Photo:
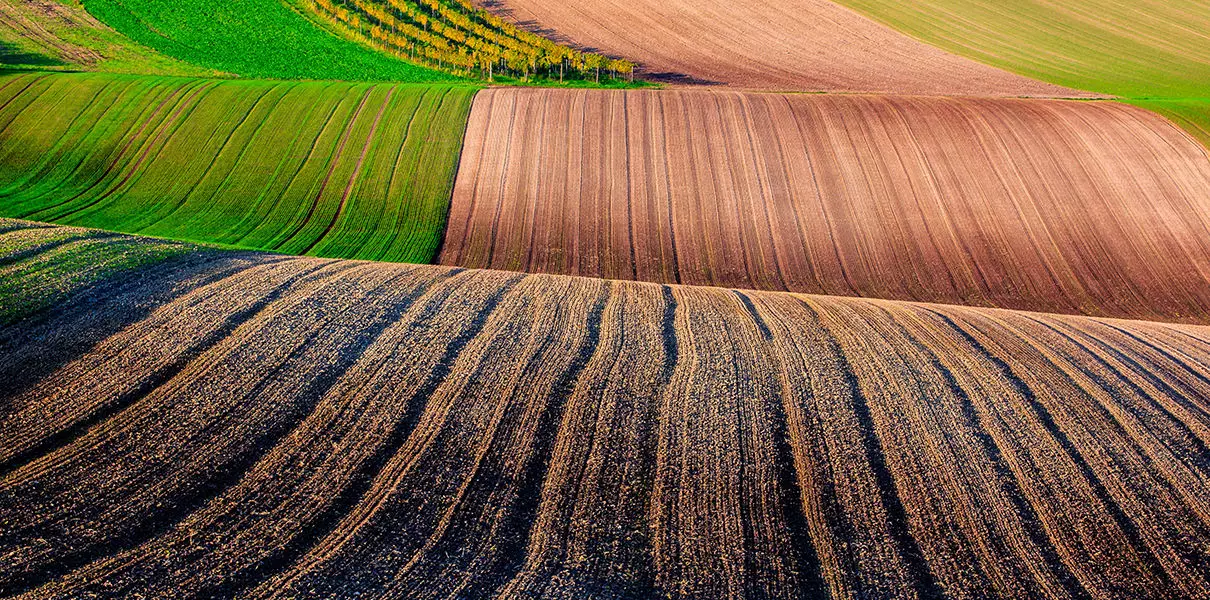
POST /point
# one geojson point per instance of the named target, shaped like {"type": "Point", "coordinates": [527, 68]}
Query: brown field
{"type": "Point", "coordinates": [783, 45]}
{"type": "Point", "coordinates": [263, 426]}
{"type": "Point", "coordinates": [1092, 208]}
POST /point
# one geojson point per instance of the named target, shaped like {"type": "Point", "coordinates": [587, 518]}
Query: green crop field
{"type": "Point", "coordinates": [1129, 48]}
{"type": "Point", "coordinates": [253, 38]}
{"type": "Point", "coordinates": [63, 36]}
{"type": "Point", "coordinates": [318, 168]}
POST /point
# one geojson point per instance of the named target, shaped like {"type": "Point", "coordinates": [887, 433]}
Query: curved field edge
{"type": "Point", "coordinates": [1129, 48]}
{"type": "Point", "coordinates": [320, 168]}
{"type": "Point", "coordinates": [268, 39]}
{"type": "Point", "coordinates": [1058, 206]}
{"type": "Point", "coordinates": [1191, 115]}
{"type": "Point", "coordinates": [265, 426]}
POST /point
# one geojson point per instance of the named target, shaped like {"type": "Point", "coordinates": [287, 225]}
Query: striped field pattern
{"type": "Point", "coordinates": [264, 426]}
{"type": "Point", "coordinates": [321, 168]}
{"type": "Point", "coordinates": [1093, 208]}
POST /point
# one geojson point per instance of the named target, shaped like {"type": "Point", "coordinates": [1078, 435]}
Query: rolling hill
{"type": "Point", "coordinates": [322, 168]}
{"type": "Point", "coordinates": [795, 45]}
{"type": "Point", "coordinates": [1059, 206]}
{"type": "Point", "coordinates": [267, 39]}
{"type": "Point", "coordinates": [262, 426]}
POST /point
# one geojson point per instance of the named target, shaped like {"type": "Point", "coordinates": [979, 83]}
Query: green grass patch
{"type": "Point", "coordinates": [70, 39]}
{"type": "Point", "coordinates": [41, 266]}
{"type": "Point", "coordinates": [1128, 48]}
{"type": "Point", "coordinates": [329, 169]}
{"type": "Point", "coordinates": [253, 38]}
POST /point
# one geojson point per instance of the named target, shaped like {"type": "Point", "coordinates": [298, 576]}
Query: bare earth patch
{"type": "Point", "coordinates": [785, 45]}
{"type": "Point", "coordinates": [1060, 206]}
{"type": "Point", "coordinates": [264, 426]}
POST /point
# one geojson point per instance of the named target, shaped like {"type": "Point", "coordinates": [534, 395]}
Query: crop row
{"type": "Point", "coordinates": [1059, 206]}
{"type": "Point", "coordinates": [267, 426]}
{"type": "Point", "coordinates": [323, 168]}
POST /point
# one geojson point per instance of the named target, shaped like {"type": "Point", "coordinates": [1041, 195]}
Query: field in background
{"type": "Point", "coordinates": [326, 168]}
{"type": "Point", "coordinates": [245, 424]}
{"type": "Point", "coordinates": [1052, 205]}
{"type": "Point", "coordinates": [1131, 48]}
{"type": "Point", "coordinates": [253, 38]}
{"type": "Point", "coordinates": [63, 36]}
{"type": "Point", "coordinates": [820, 46]}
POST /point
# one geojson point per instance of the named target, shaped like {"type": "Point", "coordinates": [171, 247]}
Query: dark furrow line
{"type": "Point", "coordinates": [305, 404]}
{"type": "Point", "coordinates": [1200, 460]}
{"type": "Point", "coordinates": [1044, 416]}
{"type": "Point", "coordinates": [1197, 409]}
{"type": "Point", "coordinates": [222, 477]}
{"type": "Point", "coordinates": [129, 292]}
{"type": "Point", "coordinates": [752, 312]}
{"type": "Point", "coordinates": [239, 583]}
{"type": "Point", "coordinates": [499, 204]}
{"type": "Point", "coordinates": [634, 256]}
{"type": "Point", "coordinates": [1190, 554]}
{"type": "Point", "coordinates": [152, 381]}
{"type": "Point", "coordinates": [676, 261]}
{"type": "Point", "coordinates": [1009, 484]}
{"type": "Point", "coordinates": [638, 559]}
{"type": "Point", "coordinates": [45, 247]}
{"type": "Point", "coordinates": [924, 581]}
{"type": "Point", "coordinates": [335, 161]}
{"type": "Point", "coordinates": [10, 100]}
{"type": "Point", "coordinates": [517, 527]}
{"type": "Point", "coordinates": [365, 149]}
{"type": "Point", "coordinates": [806, 558]}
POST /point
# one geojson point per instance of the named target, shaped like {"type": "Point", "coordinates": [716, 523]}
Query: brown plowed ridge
{"type": "Point", "coordinates": [289, 427]}
{"type": "Point", "coordinates": [782, 45]}
{"type": "Point", "coordinates": [1058, 206]}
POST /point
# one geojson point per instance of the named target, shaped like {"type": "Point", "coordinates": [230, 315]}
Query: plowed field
{"type": "Point", "coordinates": [322, 168]}
{"type": "Point", "coordinates": [266, 426]}
{"type": "Point", "coordinates": [784, 45]}
{"type": "Point", "coordinates": [1058, 206]}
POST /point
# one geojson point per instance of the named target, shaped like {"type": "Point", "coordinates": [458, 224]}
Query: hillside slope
{"type": "Point", "coordinates": [1059, 206]}
{"type": "Point", "coordinates": [324, 168]}
{"type": "Point", "coordinates": [265, 426]}
{"type": "Point", "coordinates": [61, 35]}
{"type": "Point", "coordinates": [268, 39]}
{"type": "Point", "coordinates": [1134, 48]}
{"type": "Point", "coordinates": [782, 45]}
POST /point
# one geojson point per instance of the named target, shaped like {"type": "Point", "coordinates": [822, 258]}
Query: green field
{"type": "Point", "coordinates": [318, 168]}
{"type": "Point", "coordinates": [63, 36]}
{"type": "Point", "coordinates": [1129, 48]}
{"type": "Point", "coordinates": [253, 38]}
{"type": "Point", "coordinates": [41, 266]}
